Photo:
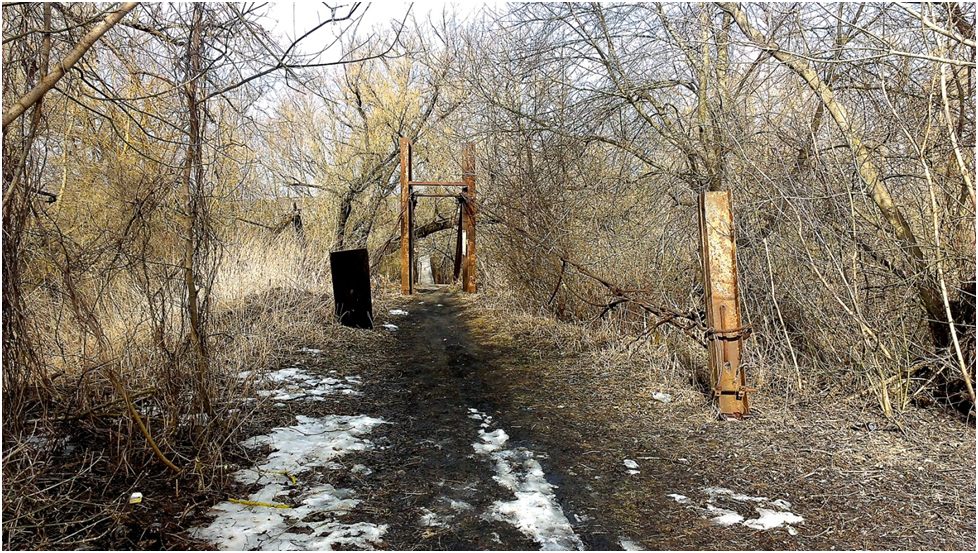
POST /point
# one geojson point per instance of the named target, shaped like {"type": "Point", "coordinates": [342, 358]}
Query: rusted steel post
{"type": "Point", "coordinates": [468, 216]}
{"type": "Point", "coordinates": [719, 257]}
{"type": "Point", "coordinates": [457, 272]}
{"type": "Point", "coordinates": [407, 284]}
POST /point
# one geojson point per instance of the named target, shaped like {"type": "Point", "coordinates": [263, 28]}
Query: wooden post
{"type": "Point", "coordinates": [719, 258]}
{"type": "Point", "coordinates": [407, 282]}
{"type": "Point", "coordinates": [468, 217]}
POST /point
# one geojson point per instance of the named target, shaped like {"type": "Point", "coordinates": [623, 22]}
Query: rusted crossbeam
{"type": "Point", "coordinates": [416, 195]}
{"type": "Point", "coordinates": [435, 183]}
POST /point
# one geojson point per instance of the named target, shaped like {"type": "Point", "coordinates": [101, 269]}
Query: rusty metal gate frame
{"type": "Point", "coordinates": [409, 197]}
{"type": "Point", "coordinates": [718, 253]}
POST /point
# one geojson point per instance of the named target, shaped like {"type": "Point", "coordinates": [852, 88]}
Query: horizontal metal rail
{"type": "Point", "coordinates": [435, 183]}
{"type": "Point", "coordinates": [458, 195]}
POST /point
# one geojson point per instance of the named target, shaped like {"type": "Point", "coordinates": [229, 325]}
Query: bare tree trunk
{"type": "Point", "coordinates": [49, 80]}
{"type": "Point", "coordinates": [193, 176]}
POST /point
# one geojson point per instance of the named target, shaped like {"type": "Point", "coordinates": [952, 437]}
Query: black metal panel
{"type": "Point", "coordinates": [351, 287]}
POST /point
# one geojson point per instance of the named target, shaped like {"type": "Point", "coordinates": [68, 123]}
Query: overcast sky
{"type": "Point", "coordinates": [293, 19]}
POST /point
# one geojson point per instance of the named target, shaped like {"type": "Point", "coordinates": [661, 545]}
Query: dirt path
{"type": "Point", "coordinates": [453, 434]}
{"type": "Point", "coordinates": [432, 486]}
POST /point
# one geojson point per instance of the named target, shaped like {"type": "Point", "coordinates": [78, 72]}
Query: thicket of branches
{"type": "Point", "coordinates": [174, 178]}
{"type": "Point", "coordinates": [845, 132]}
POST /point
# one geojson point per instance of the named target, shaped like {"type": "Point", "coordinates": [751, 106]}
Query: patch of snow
{"type": "Point", "coordinates": [301, 385]}
{"type": "Point", "coordinates": [772, 519]}
{"type": "Point", "coordinates": [459, 506]}
{"type": "Point", "coordinates": [631, 464]}
{"type": "Point", "coordinates": [361, 469]}
{"type": "Point", "coordinates": [535, 511]}
{"type": "Point", "coordinates": [661, 397]}
{"type": "Point", "coordinates": [715, 492]}
{"type": "Point", "coordinates": [389, 326]}
{"type": "Point", "coordinates": [634, 472]}
{"type": "Point", "coordinates": [771, 514]}
{"type": "Point", "coordinates": [398, 312]}
{"type": "Point", "coordinates": [297, 449]}
{"type": "Point", "coordinates": [429, 518]}
{"type": "Point", "coordinates": [493, 441]}
{"type": "Point", "coordinates": [310, 351]}
{"type": "Point", "coordinates": [723, 517]}
{"type": "Point", "coordinates": [629, 545]}
{"type": "Point", "coordinates": [440, 305]}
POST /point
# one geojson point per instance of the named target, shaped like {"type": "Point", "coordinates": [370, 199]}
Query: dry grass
{"type": "Point", "coordinates": [69, 470]}
{"type": "Point", "coordinates": [909, 484]}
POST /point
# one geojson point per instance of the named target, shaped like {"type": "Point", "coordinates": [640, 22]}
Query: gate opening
{"type": "Point", "coordinates": [411, 191]}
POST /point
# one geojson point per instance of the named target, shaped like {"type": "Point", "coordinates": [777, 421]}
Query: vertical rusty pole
{"type": "Point", "coordinates": [468, 216]}
{"type": "Point", "coordinates": [719, 258]}
{"type": "Point", "coordinates": [407, 284]}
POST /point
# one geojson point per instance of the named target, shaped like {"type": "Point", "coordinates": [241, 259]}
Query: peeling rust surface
{"type": "Point", "coordinates": [718, 252]}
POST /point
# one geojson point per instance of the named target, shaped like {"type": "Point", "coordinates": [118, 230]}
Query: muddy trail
{"type": "Point", "coordinates": [434, 489]}
{"type": "Point", "coordinates": [442, 430]}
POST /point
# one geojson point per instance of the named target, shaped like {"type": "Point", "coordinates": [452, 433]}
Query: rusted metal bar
{"type": "Point", "coordinates": [468, 217]}
{"type": "Point", "coordinates": [351, 287]}
{"type": "Point", "coordinates": [457, 270]}
{"type": "Point", "coordinates": [725, 338]}
{"type": "Point", "coordinates": [407, 282]}
{"type": "Point", "coordinates": [416, 195]}
{"type": "Point", "coordinates": [435, 183]}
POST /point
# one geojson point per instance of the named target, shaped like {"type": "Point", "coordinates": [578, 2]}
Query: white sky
{"type": "Point", "coordinates": [293, 19]}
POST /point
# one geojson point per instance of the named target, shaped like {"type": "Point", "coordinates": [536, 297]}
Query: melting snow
{"type": "Point", "coordinates": [493, 441]}
{"type": "Point", "coordinates": [389, 326]}
{"type": "Point", "coordinates": [299, 510]}
{"type": "Point", "coordinates": [535, 511]}
{"type": "Point", "coordinates": [398, 312]}
{"type": "Point", "coordinates": [297, 450]}
{"type": "Point", "coordinates": [723, 517]}
{"type": "Point", "coordinates": [772, 519]}
{"type": "Point", "coordinates": [771, 514]}
{"type": "Point", "coordinates": [629, 545]}
{"type": "Point", "coordinates": [310, 351]}
{"type": "Point", "coordinates": [301, 385]}
{"type": "Point", "coordinates": [715, 492]}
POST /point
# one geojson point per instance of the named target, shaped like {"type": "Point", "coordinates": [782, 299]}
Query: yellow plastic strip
{"type": "Point", "coordinates": [283, 473]}
{"type": "Point", "coordinates": [260, 504]}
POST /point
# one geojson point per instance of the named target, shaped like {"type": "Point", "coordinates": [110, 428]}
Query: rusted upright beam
{"type": "Point", "coordinates": [719, 257]}
{"type": "Point", "coordinates": [468, 217]}
{"type": "Point", "coordinates": [407, 282]}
